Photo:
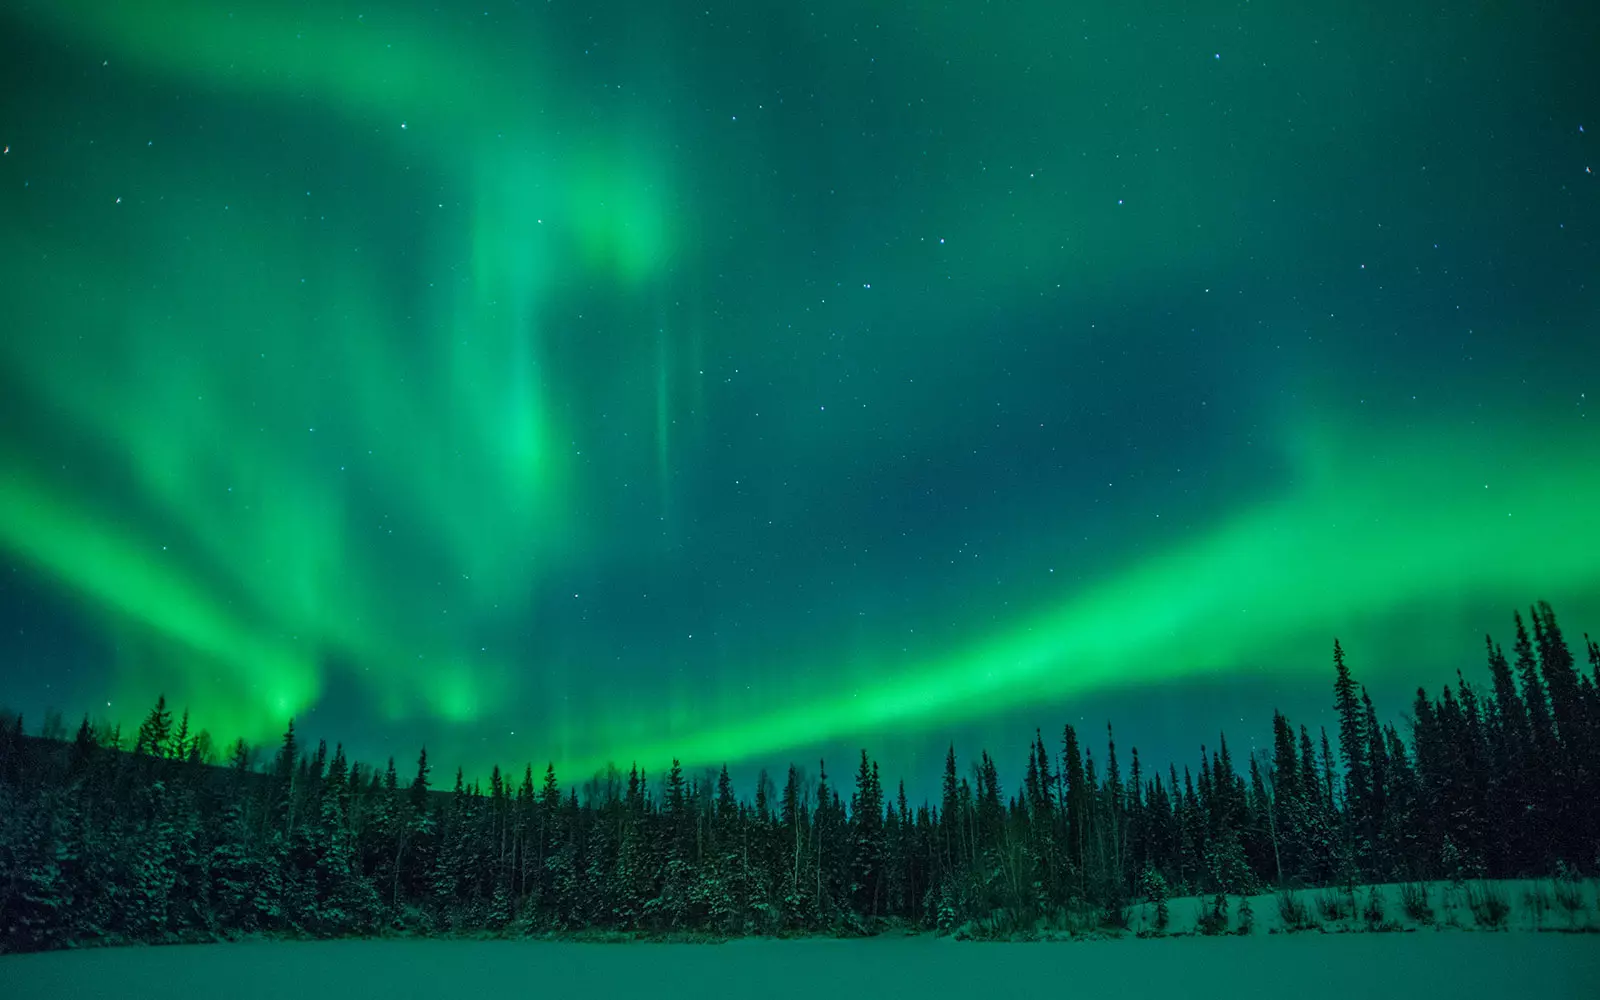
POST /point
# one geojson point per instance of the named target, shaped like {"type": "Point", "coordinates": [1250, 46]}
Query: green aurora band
{"type": "Point", "coordinates": [261, 473]}
{"type": "Point", "coordinates": [488, 489]}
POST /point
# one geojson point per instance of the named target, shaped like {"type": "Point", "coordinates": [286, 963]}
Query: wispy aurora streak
{"type": "Point", "coordinates": [444, 378]}
{"type": "Point", "coordinates": [463, 448]}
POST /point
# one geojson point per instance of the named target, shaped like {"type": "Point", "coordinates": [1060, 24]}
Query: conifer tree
{"type": "Point", "coordinates": [1191, 823]}
{"type": "Point", "coordinates": [827, 848]}
{"type": "Point", "coordinates": [1560, 675]}
{"type": "Point", "coordinates": [794, 831]}
{"type": "Point", "coordinates": [549, 810]}
{"type": "Point", "coordinates": [1510, 712]}
{"type": "Point", "coordinates": [153, 732]}
{"type": "Point", "coordinates": [1076, 803]}
{"type": "Point", "coordinates": [1542, 762]}
{"type": "Point", "coordinates": [954, 843]}
{"type": "Point", "coordinates": [181, 743]}
{"type": "Point", "coordinates": [1047, 780]}
{"type": "Point", "coordinates": [1330, 803]}
{"type": "Point", "coordinates": [989, 812]}
{"type": "Point", "coordinates": [867, 822]}
{"type": "Point", "coordinates": [1310, 782]}
{"type": "Point", "coordinates": [1288, 812]}
{"type": "Point", "coordinates": [1115, 826]}
{"type": "Point", "coordinates": [1533, 697]}
{"type": "Point", "coordinates": [1256, 834]}
{"type": "Point", "coordinates": [1316, 831]}
{"type": "Point", "coordinates": [85, 747]}
{"type": "Point", "coordinates": [1137, 849]}
{"type": "Point", "coordinates": [1353, 752]}
{"type": "Point", "coordinates": [1374, 815]}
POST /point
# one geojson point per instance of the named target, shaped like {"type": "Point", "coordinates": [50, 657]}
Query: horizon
{"type": "Point", "coordinates": [745, 778]}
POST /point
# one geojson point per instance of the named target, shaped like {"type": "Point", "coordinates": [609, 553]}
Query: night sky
{"type": "Point", "coordinates": [752, 381]}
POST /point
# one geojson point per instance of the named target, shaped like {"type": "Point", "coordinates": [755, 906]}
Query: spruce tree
{"type": "Point", "coordinates": [866, 815]}
{"type": "Point", "coordinates": [1560, 676]}
{"type": "Point", "coordinates": [1510, 713]}
{"type": "Point", "coordinates": [827, 847]}
{"type": "Point", "coordinates": [1476, 756]}
{"type": "Point", "coordinates": [762, 804]}
{"type": "Point", "coordinates": [1076, 804]}
{"type": "Point", "coordinates": [1329, 783]}
{"type": "Point", "coordinates": [680, 824]}
{"type": "Point", "coordinates": [1316, 832]}
{"type": "Point", "coordinates": [180, 745]}
{"type": "Point", "coordinates": [1137, 847]}
{"type": "Point", "coordinates": [1353, 752]}
{"type": "Point", "coordinates": [794, 834]}
{"type": "Point", "coordinates": [1047, 780]}
{"type": "Point", "coordinates": [727, 808]}
{"type": "Point", "coordinates": [989, 812]}
{"type": "Point", "coordinates": [1030, 783]}
{"type": "Point", "coordinates": [954, 845]}
{"type": "Point", "coordinates": [1257, 834]}
{"type": "Point", "coordinates": [1572, 786]}
{"type": "Point", "coordinates": [153, 732]}
{"type": "Point", "coordinates": [1542, 764]}
{"type": "Point", "coordinates": [1533, 697]}
{"type": "Point", "coordinates": [549, 810]}
{"type": "Point", "coordinates": [1374, 850]}
{"type": "Point", "coordinates": [1288, 814]}
{"type": "Point", "coordinates": [1191, 823]}
{"type": "Point", "coordinates": [85, 747]}
{"type": "Point", "coordinates": [1402, 828]}
{"type": "Point", "coordinates": [1116, 825]}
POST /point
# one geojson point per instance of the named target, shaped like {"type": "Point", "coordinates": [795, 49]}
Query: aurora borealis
{"type": "Point", "coordinates": [607, 381]}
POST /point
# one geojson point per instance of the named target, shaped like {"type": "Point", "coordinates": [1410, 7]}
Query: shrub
{"type": "Point", "coordinates": [1453, 899]}
{"type": "Point", "coordinates": [1155, 891]}
{"type": "Point", "coordinates": [1333, 904]}
{"type": "Point", "coordinates": [1569, 898]}
{"type": "Point", "coordinates": [1451, 862]}
{"type": "Point", "coordinates": [947, 919]}
{"type": "Point", "coordinates": [1537, 900]}
{"type": "Point", "coordinates": [1414, 898]}
{"type": "Point", "coordinates": [1294, 913]}
{"type": "Point", "coordinates": [767, 918]}
{"type": "Point", "coordinates": [1214, 919]}
{"type": "Point", "coordinates": [1488, 905]}
{"type": "Point", "coordinates": [1247, 916]}
{"type": "Point", "coordinates": [1372, 912]}
{"type": "Point", "coordinates": [1076, 917]}
{"type": "Point", "coordinates": [1114, 917]}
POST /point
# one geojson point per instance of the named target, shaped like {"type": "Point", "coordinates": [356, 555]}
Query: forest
{"type": "Point", "coordinates": [107, 837]}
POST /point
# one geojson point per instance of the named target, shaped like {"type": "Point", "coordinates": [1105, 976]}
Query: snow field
{"type": "Point", "coordinates": [1460, 966]}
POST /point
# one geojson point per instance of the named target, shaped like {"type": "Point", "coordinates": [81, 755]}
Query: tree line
{"type": "Point", "coordinates": [107, 839]}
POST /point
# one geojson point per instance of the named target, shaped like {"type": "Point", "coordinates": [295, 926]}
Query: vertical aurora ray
{"type": "Point", "coordinates": [663, 390]}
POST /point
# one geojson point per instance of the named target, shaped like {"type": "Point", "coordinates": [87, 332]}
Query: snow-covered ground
{"type": "Point", "coordinates": [1299, 966]}
{"type": "Point", "coordinates": [1544, 942]}
{"type": "Point", "coordinates": [1530, 905]}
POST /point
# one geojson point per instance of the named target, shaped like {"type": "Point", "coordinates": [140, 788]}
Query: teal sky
{"type": "Point", "coordinates": [605, 381]}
